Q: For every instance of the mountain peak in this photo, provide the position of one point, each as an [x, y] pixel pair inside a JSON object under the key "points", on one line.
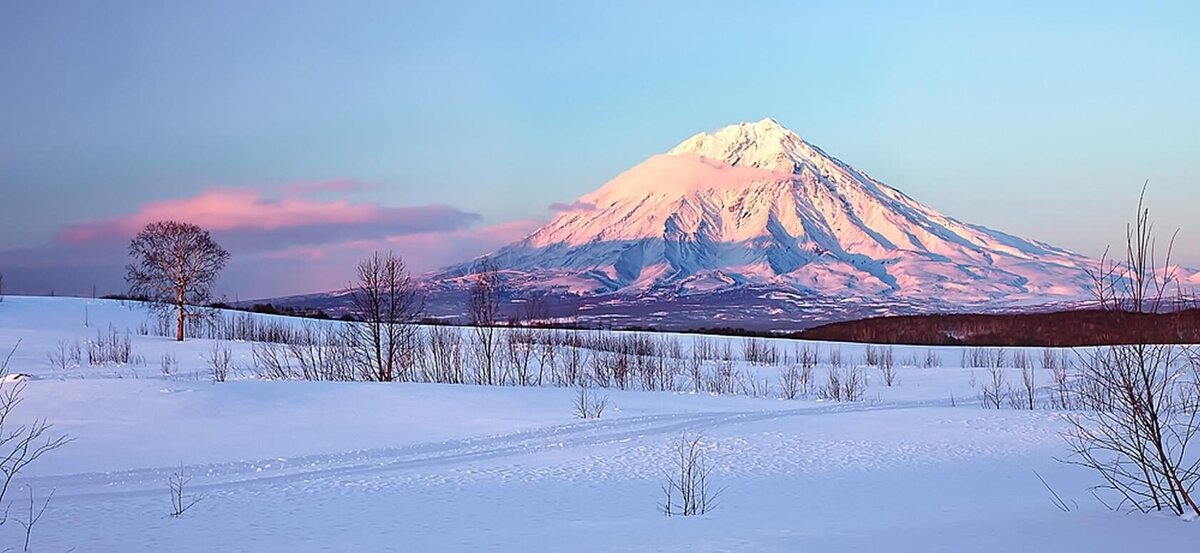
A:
{"points": [[761, 145]]}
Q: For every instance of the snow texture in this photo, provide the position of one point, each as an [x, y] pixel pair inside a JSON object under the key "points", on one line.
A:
{"points": [[319, 466]]}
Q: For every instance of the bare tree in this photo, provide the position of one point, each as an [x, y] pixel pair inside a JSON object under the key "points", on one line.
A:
{"points": [[994, 388], [1143, 401], [1, 286], [175, 265], [484, 306], [181, 500], [688, 489], [1028, 388], [20, 444], [389, 306], [34, 516]]}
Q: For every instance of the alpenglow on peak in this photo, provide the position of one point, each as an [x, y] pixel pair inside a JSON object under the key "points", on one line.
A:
{"points": [[762, 145]]}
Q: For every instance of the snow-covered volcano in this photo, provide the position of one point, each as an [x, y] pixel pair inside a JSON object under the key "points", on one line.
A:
{"points": [[754, 206]]}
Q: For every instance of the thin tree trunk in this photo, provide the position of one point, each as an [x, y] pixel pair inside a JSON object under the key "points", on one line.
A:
{"points": [[179, 326]]}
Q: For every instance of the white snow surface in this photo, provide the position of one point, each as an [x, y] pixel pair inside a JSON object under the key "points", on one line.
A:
{"points": [[754, 204], [320, 466]]}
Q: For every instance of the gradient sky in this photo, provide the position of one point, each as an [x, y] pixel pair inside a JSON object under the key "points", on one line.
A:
{"points": [[444, 129]]}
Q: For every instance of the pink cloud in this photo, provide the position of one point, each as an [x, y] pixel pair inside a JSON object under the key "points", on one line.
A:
{"points": [[283, 242], [248, 211]]}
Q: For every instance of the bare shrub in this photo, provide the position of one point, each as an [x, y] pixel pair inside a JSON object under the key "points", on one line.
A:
{"points": [[832, 390], [1021, 359], [931, 360], [854, 385], [984, 358], [181, 499], [755, 388], [795, 381], [887, 365], [808, 355], [1049, 359], [111, 348], [65, 355], [997, 357], [168, 365], [20, 444], [994, 389], [589, 405], [835, 357], [220, 362], [445, 361], [574, 360], [1145, 398], [757, 351], [320, 353], [1138, 437], [871, 356], [724, 377], [1061, 392], [518, 349], [688, 489]]}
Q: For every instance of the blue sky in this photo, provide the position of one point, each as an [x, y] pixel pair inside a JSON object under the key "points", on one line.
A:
{"points": [[1040, 119]]}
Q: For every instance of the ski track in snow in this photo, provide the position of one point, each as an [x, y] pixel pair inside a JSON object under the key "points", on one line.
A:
{"points": [[464, 460]]}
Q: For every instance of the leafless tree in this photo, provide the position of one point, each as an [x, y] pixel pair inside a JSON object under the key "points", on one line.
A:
{"points": [[1028, 388], [1143, 399], [484, 307], [1, 286], [388, 306], [994, 388], [688, 489], [34, 516], [181, 500], [175, 265], [20, 444]]}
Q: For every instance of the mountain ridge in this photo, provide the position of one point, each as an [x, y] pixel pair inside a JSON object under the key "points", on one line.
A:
{"points": [[752, 227], [754, 203]]}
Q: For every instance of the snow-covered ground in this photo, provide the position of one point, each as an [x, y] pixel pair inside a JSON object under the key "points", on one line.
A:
{"points": [[324, 466]]}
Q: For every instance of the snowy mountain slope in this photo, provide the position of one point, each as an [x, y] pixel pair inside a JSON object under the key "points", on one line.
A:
{"points": [[755, 205]]}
